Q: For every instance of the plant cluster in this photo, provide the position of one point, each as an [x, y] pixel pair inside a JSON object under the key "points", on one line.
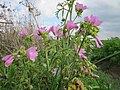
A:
{"points": [[61, 61]]}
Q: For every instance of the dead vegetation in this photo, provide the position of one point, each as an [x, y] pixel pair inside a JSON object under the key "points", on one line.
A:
{"points": [[9, 41]]}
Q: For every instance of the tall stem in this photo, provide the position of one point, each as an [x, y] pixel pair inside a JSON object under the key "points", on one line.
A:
{"points": [[67, 16], [105, 58], [71, 11], [82, 42], [47, 60], [75, 18]]}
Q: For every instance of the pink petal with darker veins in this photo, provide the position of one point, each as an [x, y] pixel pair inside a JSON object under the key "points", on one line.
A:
{"points": [[5, 58], [42, 30], [81, 54], [80, 6], [8, 60], [55, 30], [24, 32], [32, 53], [70, 25], [94, 20], [98, 42]]}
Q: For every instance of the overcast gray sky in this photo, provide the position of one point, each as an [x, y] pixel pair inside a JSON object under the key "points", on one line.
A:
{"points": [[107, 10]]}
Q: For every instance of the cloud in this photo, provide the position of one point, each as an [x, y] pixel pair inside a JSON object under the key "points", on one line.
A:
{"points": [[47, 7], [107, 10], [108, 34]]}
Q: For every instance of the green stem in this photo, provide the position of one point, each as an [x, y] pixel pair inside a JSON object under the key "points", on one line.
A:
{"points": [[107, 57], [71, 11], [85, 35], [75, 18], [47, 61], [82, 42], [71, 14], [67, 16]]}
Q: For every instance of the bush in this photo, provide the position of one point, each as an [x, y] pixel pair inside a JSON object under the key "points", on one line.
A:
{"points": [[111, 46], [60, 61]]}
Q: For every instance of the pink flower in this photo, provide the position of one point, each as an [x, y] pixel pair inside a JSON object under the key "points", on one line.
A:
{"points": [[95, 76], [80, 6], [35, 35], [32, 53], [8, 60], [54, 71], [98, 42], [70, 25], [42, 30], [56, 31], [93, 20], [86, 71], [24, 32], [81, 54]]}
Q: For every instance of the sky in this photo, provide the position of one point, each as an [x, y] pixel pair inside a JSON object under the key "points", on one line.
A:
{"points": [[107, 10]]}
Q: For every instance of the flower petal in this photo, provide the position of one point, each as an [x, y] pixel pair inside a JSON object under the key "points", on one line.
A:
{"points": [[9, 62], [98, 42], [70, 25], [5, 58], [32, 53]]}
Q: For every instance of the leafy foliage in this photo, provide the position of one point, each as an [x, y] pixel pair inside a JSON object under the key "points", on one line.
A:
{"points": [[59, 62], [111, 46]]}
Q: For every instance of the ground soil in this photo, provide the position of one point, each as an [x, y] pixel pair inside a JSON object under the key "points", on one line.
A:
{"points": [[112, 69]]}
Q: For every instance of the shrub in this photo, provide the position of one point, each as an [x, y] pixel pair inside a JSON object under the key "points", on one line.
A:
{"points": [[61, 61]]}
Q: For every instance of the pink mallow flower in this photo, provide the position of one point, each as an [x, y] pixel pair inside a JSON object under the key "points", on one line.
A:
{"points": [[42, 30], [8, 60], [56, 31], [32, 53], [95, 76], [35, 35], [93, 20], [70, 25], [80, 6], [98, 42], [24, 32], [81, 54]]}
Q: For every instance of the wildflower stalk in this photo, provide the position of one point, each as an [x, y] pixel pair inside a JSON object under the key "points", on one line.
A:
{"points": [[82, 42], [46, 53], [25, 73], [75, 18], [71, 11], [107, 57], [85, 35], [67, 16]]}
